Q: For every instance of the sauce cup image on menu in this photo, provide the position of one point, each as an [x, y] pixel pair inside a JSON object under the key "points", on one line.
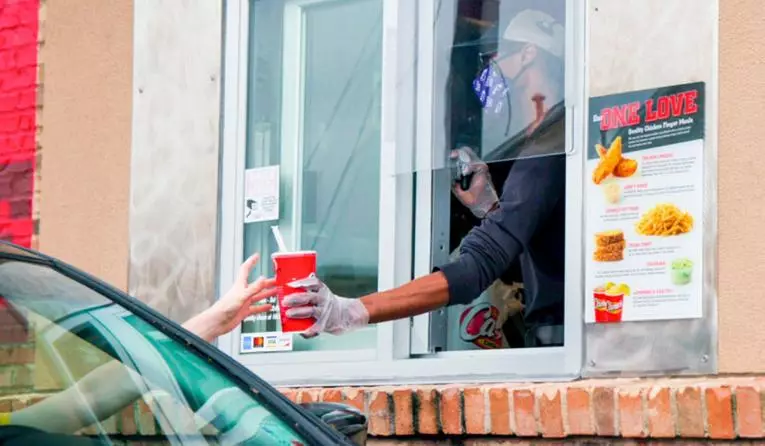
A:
{"points": [[609, 302], [289, 267]]}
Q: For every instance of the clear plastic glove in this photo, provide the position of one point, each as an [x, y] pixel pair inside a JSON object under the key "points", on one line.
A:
{"points": [[480, 197], [333, 314]]}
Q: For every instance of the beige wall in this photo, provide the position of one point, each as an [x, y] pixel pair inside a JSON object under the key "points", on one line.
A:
{"points": [[86, 129], [741, 186]]}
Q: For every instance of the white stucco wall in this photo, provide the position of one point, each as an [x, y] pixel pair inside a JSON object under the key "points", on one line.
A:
{"points": [[174, 176]]}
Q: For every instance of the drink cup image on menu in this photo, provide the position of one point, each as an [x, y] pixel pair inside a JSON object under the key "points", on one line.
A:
{"points": [[609, 302]]}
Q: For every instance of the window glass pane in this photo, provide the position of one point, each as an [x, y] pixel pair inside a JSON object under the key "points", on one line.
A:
{"points": [[76, 364], [519, 45], [314, 111]]}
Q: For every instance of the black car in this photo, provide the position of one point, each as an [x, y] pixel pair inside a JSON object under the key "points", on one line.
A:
{"points": [[76, 355]]}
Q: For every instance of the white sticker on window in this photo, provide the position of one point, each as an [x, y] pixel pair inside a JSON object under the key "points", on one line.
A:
{"points": [[261, 194]]}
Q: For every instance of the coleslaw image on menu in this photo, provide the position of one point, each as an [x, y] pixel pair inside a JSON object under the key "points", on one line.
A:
{"points": [[682, 271]]}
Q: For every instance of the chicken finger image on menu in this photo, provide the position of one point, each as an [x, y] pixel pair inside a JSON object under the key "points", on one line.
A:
{"points": [[625, 168], [608, 163]]}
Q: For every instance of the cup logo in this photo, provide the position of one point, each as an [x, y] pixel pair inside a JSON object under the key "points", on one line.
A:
{"points": [[479, 325]]}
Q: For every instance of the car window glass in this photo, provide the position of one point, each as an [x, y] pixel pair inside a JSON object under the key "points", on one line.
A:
{"points": [[74, 363]]}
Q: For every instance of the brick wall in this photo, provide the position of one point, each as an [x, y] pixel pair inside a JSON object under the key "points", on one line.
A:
{"points": [[715, 408], [17, 353], [19, 49]]}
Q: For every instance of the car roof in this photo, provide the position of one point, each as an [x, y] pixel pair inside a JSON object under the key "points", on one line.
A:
{"points": [[16, 250]]}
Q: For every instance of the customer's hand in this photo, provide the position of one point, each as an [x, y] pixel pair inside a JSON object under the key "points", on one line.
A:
{"points": [[240, 302], [333, 314], [480, 197]]}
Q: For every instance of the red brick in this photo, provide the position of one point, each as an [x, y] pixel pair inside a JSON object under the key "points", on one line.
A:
{"points": [[499, 411], [690, 418], [551, 413], [110, 425], [22, 376], [579, 411], [127, 425], [25, 57], [7, 59], [525, 421], [631, 419], [379, 414], [331, 395], [19, 403], [145, 421], [404, 412], [475, 410], [29, 13], [355, 397], [9, 102], [450, 407], [309, 396], [292, 395], [27, 119], [719, 401], [748, 412], [8, 20], [19, 78], [27, 99], [426, 409], [16, 355], [21, 35], [604, 408], [9, 123]]}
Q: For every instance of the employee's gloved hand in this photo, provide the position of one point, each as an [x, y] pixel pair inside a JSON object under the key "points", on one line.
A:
{"points": [[480, 197], [333, 314]]}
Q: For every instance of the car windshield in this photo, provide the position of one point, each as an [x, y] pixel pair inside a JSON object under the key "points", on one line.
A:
{"points": [[75, 366]]}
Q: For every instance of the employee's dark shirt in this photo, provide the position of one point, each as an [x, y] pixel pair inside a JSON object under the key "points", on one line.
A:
{"points": [[529, 224]]}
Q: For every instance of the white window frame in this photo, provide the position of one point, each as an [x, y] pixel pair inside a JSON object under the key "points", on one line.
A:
{"points": [[404, 353]]}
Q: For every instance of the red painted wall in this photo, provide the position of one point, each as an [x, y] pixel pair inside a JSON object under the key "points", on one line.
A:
{"points": [[19, 29]]}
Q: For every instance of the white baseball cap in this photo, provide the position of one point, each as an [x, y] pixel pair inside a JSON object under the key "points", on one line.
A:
{"points": [[528, 26], [537, 28]]}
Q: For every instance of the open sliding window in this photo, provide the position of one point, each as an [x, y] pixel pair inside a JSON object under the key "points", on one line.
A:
{"points": [[341, 118]]}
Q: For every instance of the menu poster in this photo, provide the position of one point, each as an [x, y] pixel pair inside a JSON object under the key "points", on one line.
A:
{"points": [[644, 205]]}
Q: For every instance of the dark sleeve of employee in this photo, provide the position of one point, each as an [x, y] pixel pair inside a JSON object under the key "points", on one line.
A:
{"points": [[530, 193]]}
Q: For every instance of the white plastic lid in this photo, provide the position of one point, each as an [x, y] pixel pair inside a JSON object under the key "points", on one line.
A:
{"points": [[292, 253]]}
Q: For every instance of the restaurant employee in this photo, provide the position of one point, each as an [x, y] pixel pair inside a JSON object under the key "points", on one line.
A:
{"points": [[525, 222]]}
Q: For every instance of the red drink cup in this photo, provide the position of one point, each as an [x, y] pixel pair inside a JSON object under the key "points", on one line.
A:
{"points": [[291, 266], [614, 306], [608, 307], [601, 315]]}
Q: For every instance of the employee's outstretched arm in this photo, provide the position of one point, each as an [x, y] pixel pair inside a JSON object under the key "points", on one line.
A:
{"points": [[485, 254]]}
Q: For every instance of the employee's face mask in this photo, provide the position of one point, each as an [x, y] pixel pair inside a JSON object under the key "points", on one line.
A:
{"points": [[493, 88]]}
